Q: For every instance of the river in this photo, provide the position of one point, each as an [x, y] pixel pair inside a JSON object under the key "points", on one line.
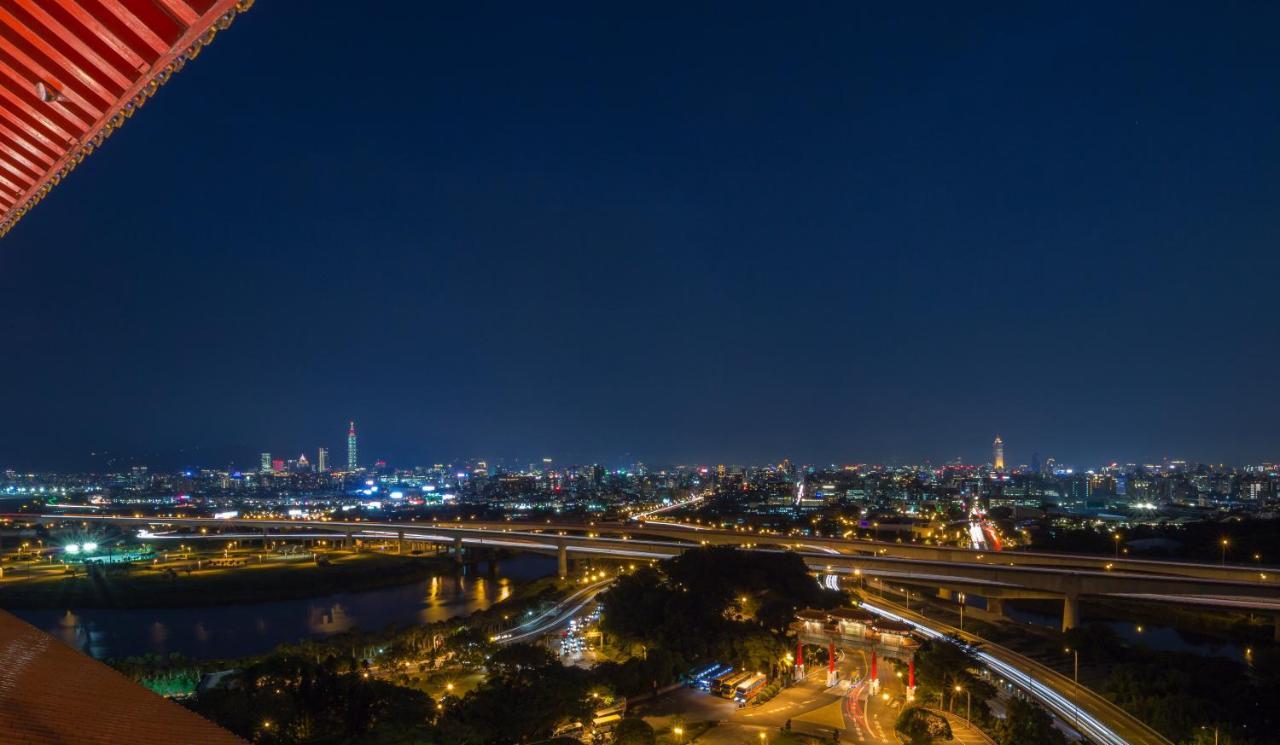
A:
{"points": [[1154, 636], [238, 630]]}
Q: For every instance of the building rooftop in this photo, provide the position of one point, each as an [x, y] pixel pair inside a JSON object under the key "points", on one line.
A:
{"points": [[50, 694], [809, 614], [852, 614]]}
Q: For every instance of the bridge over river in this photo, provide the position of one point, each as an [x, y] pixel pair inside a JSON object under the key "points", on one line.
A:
{"points": [[996, 576]]}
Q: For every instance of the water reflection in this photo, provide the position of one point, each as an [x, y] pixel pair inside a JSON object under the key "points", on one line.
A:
{"points": [[231, 631]]}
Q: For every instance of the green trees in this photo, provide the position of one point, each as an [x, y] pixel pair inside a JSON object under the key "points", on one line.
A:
{"points": [[1027, 723], [689, 608], [634, 732], [288, 699], [921, 727], [941, 668], [527, 695]]}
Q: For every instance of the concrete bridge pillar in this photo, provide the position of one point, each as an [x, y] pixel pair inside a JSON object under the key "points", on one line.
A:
{"points": [[264, 539], [348, 543], [562, 559], [944, 593], [1070, 612], [457, 549], [400, 541], [996, 606]]}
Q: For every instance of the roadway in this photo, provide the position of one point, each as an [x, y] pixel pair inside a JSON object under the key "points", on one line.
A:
{"points": [[980, 574], [1096, 717], [710, 535], [554, 617], [685, 533]]}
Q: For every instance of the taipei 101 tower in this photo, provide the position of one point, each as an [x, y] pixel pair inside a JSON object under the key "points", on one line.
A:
{"points": [[352, 460], [997, 452]]}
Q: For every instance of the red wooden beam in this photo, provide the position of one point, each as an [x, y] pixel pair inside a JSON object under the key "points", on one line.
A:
{"points": [[22, 64], [40, 154], [19, 175], [66, 70], [136, 25], [99, 29], [64, 35], [23, 97], [31, 133], [180, 11]]}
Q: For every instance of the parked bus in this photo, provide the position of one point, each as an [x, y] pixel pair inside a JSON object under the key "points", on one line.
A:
{"points": [[606, 723], [730, 686], [702, 677], [747, 689], [713, 684]]}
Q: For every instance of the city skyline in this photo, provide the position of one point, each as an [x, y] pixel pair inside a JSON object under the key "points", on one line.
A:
{"points": [[1028, 459], [748, 373], [888, 241]]}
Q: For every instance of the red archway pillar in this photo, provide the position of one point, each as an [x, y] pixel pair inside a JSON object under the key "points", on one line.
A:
{"points": [[832, 678]]}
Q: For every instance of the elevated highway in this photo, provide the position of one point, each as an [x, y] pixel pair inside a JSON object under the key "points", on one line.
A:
{"points": [[716, 536], [1003, 575]]}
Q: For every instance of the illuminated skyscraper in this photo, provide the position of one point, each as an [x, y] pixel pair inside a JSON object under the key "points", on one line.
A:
{"points": [[266, 462], [997, 454], [352, 461], [322, 460]]}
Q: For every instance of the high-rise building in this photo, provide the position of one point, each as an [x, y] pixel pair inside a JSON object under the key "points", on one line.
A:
{"points": [[266, 462], [352, 460], [322, 460], [997, 454]]}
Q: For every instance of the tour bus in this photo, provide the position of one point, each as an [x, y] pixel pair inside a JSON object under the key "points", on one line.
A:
{"points": [[605, 724], [730, 686], [747, 689], [702, 677], [713, 684]]}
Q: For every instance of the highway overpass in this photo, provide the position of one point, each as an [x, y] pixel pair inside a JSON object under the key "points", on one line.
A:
{"points": [[993, 575]]}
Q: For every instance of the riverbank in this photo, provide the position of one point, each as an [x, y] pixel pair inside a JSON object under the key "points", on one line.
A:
{"points": [[261, 581]]}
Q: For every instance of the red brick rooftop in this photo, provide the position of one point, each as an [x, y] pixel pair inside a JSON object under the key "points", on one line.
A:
{"points": [[50, 694]]}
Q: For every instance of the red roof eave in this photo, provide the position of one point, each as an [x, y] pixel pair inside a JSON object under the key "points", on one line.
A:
{"points": [[72, 72]]}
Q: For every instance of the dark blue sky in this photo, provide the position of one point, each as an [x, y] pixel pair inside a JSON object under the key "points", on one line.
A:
{"points": [[701, 233]]}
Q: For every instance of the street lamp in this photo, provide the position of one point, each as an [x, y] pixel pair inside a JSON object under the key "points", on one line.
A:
{"points": [[960, 597], [764, 739], [968, 710], [678, 731], [1224, 551], [1075, 653], [1116, 536]]}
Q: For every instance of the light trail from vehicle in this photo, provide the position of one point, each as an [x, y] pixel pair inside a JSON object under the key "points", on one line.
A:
{"points": [[1068, 710], [668, 508], [666, 524], [590, 593]]}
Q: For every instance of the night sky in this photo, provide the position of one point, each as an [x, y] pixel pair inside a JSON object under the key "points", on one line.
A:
{"points": [[670, 232]]}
